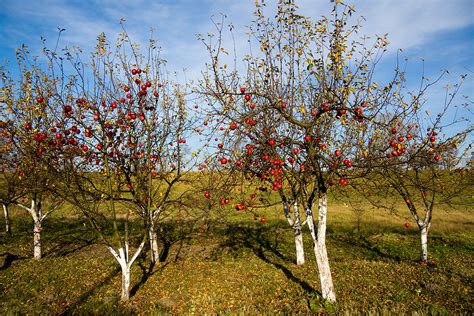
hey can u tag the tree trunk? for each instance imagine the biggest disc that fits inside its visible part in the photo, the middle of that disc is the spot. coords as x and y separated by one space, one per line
155 255
7 219
322 259
424 244
325 277
35 211
122 256
298 236
37 239
296 226
299 246
320 252
125 282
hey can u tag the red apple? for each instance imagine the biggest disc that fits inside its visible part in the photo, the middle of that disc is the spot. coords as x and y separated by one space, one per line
343 181
347 163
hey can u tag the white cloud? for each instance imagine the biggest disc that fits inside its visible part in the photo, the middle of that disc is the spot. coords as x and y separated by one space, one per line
409 23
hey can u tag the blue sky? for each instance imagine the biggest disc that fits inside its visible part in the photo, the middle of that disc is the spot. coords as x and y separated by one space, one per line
439 31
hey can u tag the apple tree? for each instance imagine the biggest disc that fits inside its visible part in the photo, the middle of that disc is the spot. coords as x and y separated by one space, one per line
10 189
300 110
417 157
126 125
29 136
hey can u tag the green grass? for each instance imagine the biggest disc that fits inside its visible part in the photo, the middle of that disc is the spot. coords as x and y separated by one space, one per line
244 266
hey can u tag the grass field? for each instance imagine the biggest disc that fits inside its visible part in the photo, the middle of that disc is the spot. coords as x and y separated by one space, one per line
244 266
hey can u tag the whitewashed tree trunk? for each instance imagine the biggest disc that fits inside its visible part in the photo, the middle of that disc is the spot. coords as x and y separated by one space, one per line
298 236
320 251
37 216
37 250
152 235
424 243
296 226
7 219
35 212
125 284
125 274
122 256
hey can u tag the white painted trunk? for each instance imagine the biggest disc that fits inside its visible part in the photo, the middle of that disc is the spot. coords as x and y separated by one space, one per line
320 252
125 282
325 277
298 236
122 256
7 219
35 211
155 255
327 287
299 247
424 244
37 239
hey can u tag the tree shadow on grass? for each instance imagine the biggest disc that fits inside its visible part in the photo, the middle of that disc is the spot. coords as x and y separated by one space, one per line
85 296
259 241
7 258
241 237
368 249
65 237
260 252
148 270
168 236
63 248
